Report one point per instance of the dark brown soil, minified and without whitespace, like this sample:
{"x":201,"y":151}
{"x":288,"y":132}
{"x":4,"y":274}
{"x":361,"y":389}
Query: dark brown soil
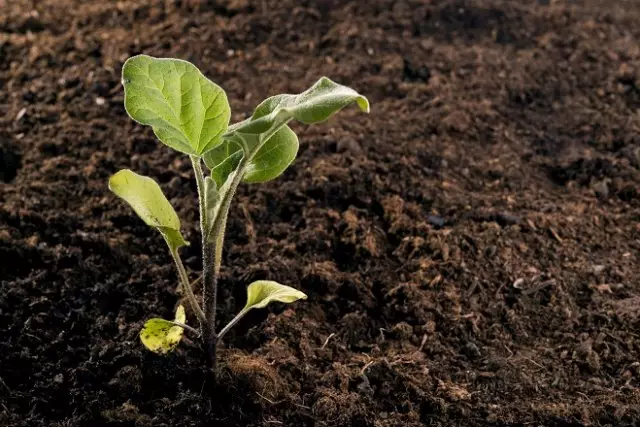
{"x":470,"y":249}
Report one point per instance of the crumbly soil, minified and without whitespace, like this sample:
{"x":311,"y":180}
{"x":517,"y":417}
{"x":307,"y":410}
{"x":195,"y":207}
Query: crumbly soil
{"x":470,"y":248}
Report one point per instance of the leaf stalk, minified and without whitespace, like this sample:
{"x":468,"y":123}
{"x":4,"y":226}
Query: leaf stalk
{"x":232,"y":323}
{"x":184,"y":279}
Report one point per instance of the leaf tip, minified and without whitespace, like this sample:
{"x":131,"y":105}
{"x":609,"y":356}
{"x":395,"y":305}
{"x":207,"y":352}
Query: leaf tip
{"x":363,"y":103}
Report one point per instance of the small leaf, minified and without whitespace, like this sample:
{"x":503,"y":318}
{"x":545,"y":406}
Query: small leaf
{"x":273,"y":157}
{"x":187,"y":111}
{"x":221,"y":171}
{"x":260,"y":293}
{"x":316,"y":104}
{"x":145,"y":196}
{"x":271,"y":160}
{"x":162,"y":336}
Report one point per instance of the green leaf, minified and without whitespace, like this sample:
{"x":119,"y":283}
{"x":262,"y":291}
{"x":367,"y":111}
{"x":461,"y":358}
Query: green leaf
{"x":145,"y":196}
{"x":221,"y":171}
{"x":187,"y":111}
{"x":162,"y":336}
{"x":271,"y":160}
{"x":211,"y":199}
{"x":270,"y":144}
{"x":316,"y":104}
{"x":260,"y":293}
{"x":273,"y":157}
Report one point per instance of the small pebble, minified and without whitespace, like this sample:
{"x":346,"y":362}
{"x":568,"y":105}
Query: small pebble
{"x":436,"y":220}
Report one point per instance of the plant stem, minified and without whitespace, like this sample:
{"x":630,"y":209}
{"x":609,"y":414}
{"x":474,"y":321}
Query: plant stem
{"x":212,"y":247}
{"x":233,"y":321}
{"x":212,"y":258}
{"x":210,"y":283}
{"x":209,"y":276}
{"x":220,"y":222}
{"x":184,"y":279}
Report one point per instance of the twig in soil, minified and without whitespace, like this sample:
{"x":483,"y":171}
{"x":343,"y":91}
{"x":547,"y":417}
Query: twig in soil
{"x":269,"y":400}
{"x":534,"y":362}
{"x":265,"y":398}
{"x":555,"y":235}
{"x":540,"y":287}
{"x":5,"y":385}
{"x":424,"y":341}
{"x":585,"y":396}
{"x":364,"y":369}
{"x":327,"y":341}
{"x":33,"y":336}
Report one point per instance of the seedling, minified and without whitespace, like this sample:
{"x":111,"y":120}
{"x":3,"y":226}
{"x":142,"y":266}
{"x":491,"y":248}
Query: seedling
{"x":190,"y":114}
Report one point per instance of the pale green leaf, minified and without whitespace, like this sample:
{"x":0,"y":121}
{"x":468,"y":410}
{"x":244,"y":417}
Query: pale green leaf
{"x":145,"y":196}
{"x":221,"y":171}
{"x":269,"y":143}
{"x":260,"y":293}
{"x":217,"y":156}
{"x":187,"y":111}
{"x":269,"y":162}
{"x":162,"y":336}
{"x":273,"y":157}
{"x":316,"y":104}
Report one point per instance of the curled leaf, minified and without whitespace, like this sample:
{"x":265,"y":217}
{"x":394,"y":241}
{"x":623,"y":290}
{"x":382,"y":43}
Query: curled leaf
{"x":316,"y":104}
{"x":187,"y":111}
{"x":262,"y":292}
{"x":162,"y":336}
{"x":145,"y":196}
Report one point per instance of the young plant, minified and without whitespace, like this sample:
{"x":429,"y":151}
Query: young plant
{"x":190,"y":114}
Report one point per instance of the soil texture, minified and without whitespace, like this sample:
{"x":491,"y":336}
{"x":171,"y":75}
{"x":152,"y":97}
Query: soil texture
{"x":470,"y":248}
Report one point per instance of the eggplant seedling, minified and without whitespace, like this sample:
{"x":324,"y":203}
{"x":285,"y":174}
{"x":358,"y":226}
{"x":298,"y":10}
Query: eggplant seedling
{"x":190,"y":114}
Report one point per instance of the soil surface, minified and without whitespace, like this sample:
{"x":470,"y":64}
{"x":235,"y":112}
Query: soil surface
{"x":470,"y":248}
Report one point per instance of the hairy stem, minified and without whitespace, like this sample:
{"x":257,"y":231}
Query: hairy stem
{"x":212,"y":258}
{"x":213,"y":245}
{"x":184,"y":279}
{"x":210,"y":283}
{"x":220,"y":222}
{"x":197,"y":170}
{"x":209,"y":275}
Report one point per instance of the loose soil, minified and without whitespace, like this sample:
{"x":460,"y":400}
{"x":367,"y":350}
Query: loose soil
{"x":470,"y":248}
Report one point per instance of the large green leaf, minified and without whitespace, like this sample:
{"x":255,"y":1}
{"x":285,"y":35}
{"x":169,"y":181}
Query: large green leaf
{"x":270,"y":161}
{"x":145,"y":196}
{"x":187,"y":111}
{"x":262,"y":292}
{"x":162,"y":336}
{"x":316,"y":104}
